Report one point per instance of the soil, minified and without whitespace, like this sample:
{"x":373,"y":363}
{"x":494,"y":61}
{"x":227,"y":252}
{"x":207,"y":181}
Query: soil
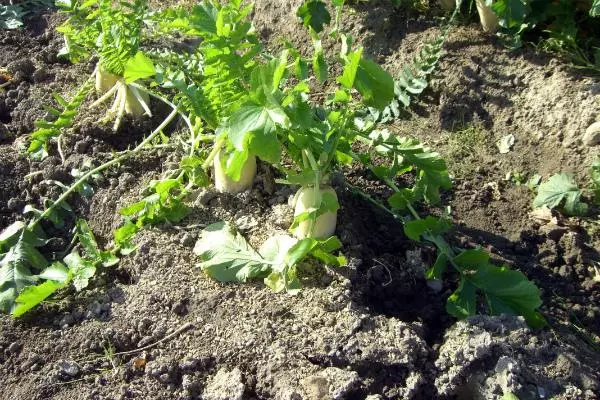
{"x":373,"y":328}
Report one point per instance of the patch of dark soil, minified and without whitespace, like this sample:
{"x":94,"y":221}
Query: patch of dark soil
{"x":13,"y":185}
{"x":35,"y":72}
{"x":372,"y":328}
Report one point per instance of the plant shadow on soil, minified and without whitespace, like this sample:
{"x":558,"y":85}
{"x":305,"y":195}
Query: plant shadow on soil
{"x":486,"y":86}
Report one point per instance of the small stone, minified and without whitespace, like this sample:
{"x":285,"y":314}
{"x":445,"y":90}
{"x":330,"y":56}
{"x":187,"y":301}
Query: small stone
{"x":14,"y":348}
{"x":14,"y":204}
{"x":66,"y":321}
{"x":69,"y":368}
{"x":190,"y":385}
{"x":40,"y":75}
{"x":204,"y":197}
{"x":331,"y":383}
{"x":225,"y":385}
{"x":187,"y":240}
{"x":82,"y":146}
{"x":125,"y":179}
{"x":4,"y":132}
{"x":435,"y":284}
{"x":23,"y":65}
{"x":95,"y":308}
{"x":246,"y":222}
{"x":592,"y":134}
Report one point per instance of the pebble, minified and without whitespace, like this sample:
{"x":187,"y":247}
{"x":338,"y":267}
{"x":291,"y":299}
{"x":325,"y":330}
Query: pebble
{"x":14,"y":348}
{"x":592,"y":134}
{"x":188,"y":240}
{"x":69,"y":368}
{"x":4,"y":132}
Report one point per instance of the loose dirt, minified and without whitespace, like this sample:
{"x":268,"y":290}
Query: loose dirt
{"x":373,"y":328}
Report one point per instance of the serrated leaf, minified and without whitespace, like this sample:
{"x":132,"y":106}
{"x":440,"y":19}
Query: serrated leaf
{"x":429,"y":225}
{"x":561,"y":189}
{"x":11,"y":234}
{"x":275,"y":248}
{"x":16,"y":271}
{"x":438,"y":269}
{"x":57,"y":272}
{"x":432,"y":171}
{"x":259,"y":120}
{"x":506,"y":291}
{"x":81,"y":270}
{"x":463,"y":302}
{"x":123,"y":237}
{"x":320,"y":67}
{"x":314,"y":14}
{"x":374,"y":84}
{"x":595,"y":9}
{"x":511,"y":13}
{"x":87,"y":239}
{"x":137,"y":67}
{"x":350,"y":69}
{"x":227,"y":256}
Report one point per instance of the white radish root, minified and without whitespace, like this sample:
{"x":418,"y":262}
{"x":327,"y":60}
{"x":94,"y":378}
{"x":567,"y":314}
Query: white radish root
{"x":104,"y":80}
{"x":324,"y":225}
{"x":489,"y":19}
{"x":225,"y":184}
{"x":128,"y":99}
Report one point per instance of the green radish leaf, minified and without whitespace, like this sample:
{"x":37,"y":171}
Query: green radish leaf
{"x":123,"y":237}
{"x":235,"y":163}
{"x":164,"y":203}
{"x":202,"y":21}
{"x":595,"y":9}
{"x":374,"y":84}
{"x":286,"y":280}
{"x":32,"y":296}
{"x":11,"y":234}
{"x":57,"y":272}
{"x":429,"y":225}
{"x":227,"y":257}
{"x":320,"y":67}
{"x":275,"y":249}
{"x":87,"y":239}
{"x":506,"y":291}
{"x":401,"y":199}
{"x":137,"y":67}
{"x":351,"y":68}
{"x":17,"y":264}
{"x":314,"y":14}
{"x":265,"y":145}
{"x":300,"y":69}
{"x":558,"y":189}
{"x":304,"y":178}
{"x":195,"y":173}
{"x":81,"y":270}
{"x":511,"y":13}
{"x":261,"y":120}
{"x":463,"y":302}
{"x":438,"y":269}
